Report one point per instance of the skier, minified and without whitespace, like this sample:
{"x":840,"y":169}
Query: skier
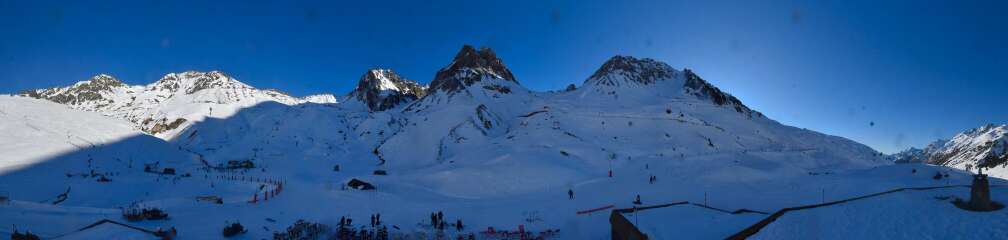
{"x":570,"y":193}
{"x":637,"y":201}
{"x":372,"y":220}
{"x":458,"y":225}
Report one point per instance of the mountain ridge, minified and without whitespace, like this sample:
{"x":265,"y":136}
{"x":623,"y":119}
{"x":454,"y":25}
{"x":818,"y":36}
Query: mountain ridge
{"x":985,"y":146}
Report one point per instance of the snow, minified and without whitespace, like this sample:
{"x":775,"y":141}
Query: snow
{"x":384,"y":83}
{"x":109,"y":231}
{"x":689,"y":221}
{"x":901,"y":215}
{"x":35,"y":130}
{"x":320,"y":98}
{"x":489,"y":158}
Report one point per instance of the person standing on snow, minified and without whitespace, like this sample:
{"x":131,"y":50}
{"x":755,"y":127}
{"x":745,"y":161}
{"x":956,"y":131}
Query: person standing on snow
{"x":570,"y":193}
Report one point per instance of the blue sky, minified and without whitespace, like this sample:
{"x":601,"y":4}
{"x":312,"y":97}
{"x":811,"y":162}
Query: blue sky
{"x":919,"y":70}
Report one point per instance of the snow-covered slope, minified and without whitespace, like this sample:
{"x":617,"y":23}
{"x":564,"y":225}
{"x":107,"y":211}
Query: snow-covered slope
{"x":982,"y":147}
{"x":34,"y":130}
{"x":54,"y":148}
{"x":168,"y":105}
{"x":476,"y":119}
{"x":476,"y":144}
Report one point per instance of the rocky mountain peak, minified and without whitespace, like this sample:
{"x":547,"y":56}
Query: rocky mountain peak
{"x":381,"y":89}
{"x":194,"y":81}
{"x":627,"y":70}
{"x":93,"y":91}
{"x":469,"y":66}
{"x":103,"y":81}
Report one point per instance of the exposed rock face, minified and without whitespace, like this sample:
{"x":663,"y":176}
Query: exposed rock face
{"x":627,"y":70}
{"x":486,"y":119}
{"x":470,"y":66}
{"x":382,"y":89}
{"x":96,"y":91}
{"x":702,"y":89}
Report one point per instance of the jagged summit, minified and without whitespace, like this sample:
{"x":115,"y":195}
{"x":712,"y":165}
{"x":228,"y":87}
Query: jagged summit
{"x":95,"y":90}
{"x":381,"y":89}
{"x":103,"y":81}
{"x":194,"y":81}
{"x":630,"y":71}
{"x":642,"y":74}
{"x":984,"y":146}
{"x":470,"y":66}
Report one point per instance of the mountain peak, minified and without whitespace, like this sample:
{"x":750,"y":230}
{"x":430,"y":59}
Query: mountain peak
{"x":627,"y":70}
{"x":94,"y":90}
{"x":105,"y":78}
{"x":984,"y":146}
{"x":194,"y":81}
{"x":381,"y":89}
{"x":469,"y":66}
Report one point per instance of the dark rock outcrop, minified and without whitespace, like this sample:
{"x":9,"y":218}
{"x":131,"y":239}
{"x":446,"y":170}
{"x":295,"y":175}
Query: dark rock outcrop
{"x":382,"y":89}
{"x":360,"y":185}
{"x":624,"y":70}
{"x":468,"y":67}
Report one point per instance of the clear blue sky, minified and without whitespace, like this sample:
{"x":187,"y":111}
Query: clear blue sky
{"x":919,"y":70}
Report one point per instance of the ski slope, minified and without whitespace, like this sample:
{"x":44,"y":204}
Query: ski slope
{"x":477,"y":146}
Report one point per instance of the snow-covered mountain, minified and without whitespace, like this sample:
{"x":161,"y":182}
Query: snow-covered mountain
{"x":321,"y":98}
{"x":985,"y":146}
{"x":475,"y":143}
{"x":381,"y":89}
{"x":476,"y":117}
{"x":917,"y":155}
{"x":172,"y":103}
{"x":622,"y":73}
{"x":471,"y":66}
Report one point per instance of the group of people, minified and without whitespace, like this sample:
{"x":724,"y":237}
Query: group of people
{"x":438,"y":222}
{"x":375,"y":220}
{"x":652,"y":179}
{"x":377,"y":231}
